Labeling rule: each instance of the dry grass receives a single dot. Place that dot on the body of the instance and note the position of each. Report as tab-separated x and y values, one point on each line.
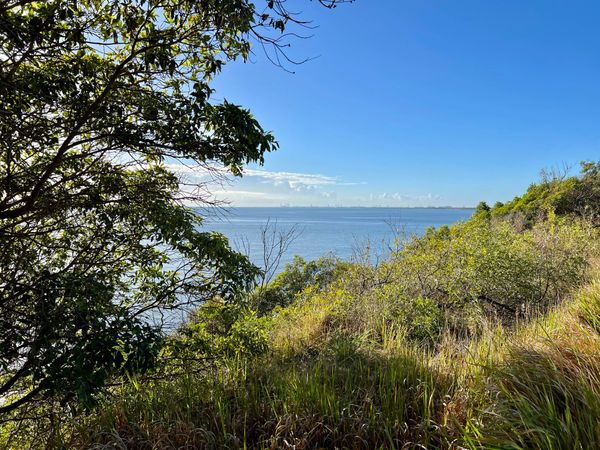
329	382
536	387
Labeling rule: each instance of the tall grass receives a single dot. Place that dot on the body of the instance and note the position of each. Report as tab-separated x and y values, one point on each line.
548	386
343	397
536	387
363	364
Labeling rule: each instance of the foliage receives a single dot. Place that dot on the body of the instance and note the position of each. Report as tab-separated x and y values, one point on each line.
453	281
372	362
217	331
482	210
295	277
494	264
101	100
546	386
421	319
534	388
576	195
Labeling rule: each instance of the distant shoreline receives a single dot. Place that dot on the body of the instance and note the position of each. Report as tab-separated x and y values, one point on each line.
349	207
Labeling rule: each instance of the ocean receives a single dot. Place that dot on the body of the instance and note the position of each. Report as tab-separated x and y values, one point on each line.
343	232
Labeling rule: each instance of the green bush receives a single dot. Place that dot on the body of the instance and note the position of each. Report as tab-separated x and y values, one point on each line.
295	277
495	265
456	279
215	332
421	319
574	196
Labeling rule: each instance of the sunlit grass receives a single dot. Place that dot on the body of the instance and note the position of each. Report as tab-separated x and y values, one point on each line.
339	373
534	387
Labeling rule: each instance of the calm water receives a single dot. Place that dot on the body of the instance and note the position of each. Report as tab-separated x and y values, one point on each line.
323	230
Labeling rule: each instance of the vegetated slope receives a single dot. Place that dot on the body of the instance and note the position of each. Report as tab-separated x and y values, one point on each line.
558	193
335	378
480	335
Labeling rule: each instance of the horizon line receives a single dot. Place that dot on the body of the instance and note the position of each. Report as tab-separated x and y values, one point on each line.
340	207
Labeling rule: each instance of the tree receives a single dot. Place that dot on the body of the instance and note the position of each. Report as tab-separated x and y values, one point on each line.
99	98
296	276
482	209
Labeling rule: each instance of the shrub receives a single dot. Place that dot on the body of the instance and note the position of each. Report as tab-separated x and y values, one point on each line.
565	196
295	277
216	331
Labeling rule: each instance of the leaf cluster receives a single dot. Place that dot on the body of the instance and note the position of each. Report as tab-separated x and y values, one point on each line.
99	101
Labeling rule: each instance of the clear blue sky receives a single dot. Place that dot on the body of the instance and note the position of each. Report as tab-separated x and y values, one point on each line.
424	102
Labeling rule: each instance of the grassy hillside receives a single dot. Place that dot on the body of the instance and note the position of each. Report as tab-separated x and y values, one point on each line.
480	335
564	195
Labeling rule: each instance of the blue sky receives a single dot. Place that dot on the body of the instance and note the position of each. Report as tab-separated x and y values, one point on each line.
423	103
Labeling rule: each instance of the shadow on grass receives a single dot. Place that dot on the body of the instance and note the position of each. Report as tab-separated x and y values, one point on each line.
341	397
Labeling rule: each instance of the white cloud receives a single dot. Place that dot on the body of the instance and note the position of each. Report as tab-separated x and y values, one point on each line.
260	187
196	173
295	181
253	194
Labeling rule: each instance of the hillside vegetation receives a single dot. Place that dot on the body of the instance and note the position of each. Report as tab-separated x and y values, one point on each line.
484	334
563	195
